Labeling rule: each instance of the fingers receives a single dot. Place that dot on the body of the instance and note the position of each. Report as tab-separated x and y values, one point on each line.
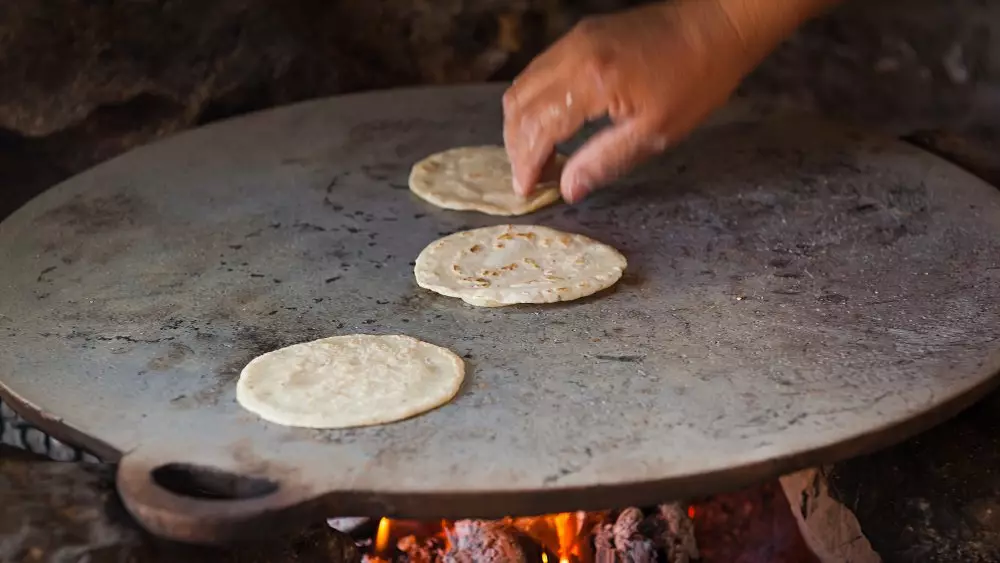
534	131
608	155
544	107
617	149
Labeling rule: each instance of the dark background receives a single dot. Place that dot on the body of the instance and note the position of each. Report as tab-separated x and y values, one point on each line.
83	80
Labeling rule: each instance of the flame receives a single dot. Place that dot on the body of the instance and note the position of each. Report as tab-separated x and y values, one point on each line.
564	535
565	524
445	527
691	512
382	537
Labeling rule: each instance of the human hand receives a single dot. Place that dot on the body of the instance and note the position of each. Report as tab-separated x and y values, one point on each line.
656	71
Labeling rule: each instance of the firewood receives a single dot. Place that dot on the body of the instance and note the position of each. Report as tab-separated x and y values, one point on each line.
623	540
479	541
678	538
429	550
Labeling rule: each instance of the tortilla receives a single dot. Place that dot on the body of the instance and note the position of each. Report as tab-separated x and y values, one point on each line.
508	264
349	381
479	179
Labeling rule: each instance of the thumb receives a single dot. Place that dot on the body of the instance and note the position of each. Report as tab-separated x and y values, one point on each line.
609	154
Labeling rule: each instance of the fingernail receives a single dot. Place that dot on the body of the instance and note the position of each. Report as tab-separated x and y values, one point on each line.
517	187
579	186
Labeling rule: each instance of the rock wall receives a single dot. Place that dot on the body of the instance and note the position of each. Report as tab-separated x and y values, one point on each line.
83	80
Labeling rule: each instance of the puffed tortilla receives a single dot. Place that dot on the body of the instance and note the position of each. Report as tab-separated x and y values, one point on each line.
349	381
510	264
480	179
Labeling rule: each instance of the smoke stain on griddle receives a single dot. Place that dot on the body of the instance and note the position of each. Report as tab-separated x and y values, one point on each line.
309	228
89	216
175	354
472	108
250	463
419	303
330	187
624	359
257	233
250	342
383	171
563	472
410	135
41	275
833	298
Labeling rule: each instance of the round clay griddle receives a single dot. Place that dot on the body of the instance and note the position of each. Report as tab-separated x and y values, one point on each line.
797	292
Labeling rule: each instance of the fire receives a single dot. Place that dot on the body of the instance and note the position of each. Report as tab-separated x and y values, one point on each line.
562	538
564	535
382	537
566	532
445	526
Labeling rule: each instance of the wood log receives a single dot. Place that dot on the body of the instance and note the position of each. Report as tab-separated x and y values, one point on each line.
663	533
934	498
604	544
482	541
621	540
428	550
829	528
678	538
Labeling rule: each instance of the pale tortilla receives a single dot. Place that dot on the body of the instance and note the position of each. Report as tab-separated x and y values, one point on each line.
480	179
348	381
508	264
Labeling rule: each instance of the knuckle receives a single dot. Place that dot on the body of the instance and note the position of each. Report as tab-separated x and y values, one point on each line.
587	27
599	63
509	100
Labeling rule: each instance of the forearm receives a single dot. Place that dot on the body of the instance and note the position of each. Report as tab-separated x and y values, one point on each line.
656	70
763	24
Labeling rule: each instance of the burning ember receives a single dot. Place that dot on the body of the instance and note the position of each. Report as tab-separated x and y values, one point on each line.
554	538
752	526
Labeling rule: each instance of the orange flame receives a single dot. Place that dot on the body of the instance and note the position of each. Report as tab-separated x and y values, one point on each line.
445	526
382	537
565	525
561	534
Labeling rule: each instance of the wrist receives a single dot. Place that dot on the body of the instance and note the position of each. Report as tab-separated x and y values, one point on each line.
762	25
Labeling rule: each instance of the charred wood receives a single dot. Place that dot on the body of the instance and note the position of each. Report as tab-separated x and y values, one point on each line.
678	538
662	534
430	550
478	541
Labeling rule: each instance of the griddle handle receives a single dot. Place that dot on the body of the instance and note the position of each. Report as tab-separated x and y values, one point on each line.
203	505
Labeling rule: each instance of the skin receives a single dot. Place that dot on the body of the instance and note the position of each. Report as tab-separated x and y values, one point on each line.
656	71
